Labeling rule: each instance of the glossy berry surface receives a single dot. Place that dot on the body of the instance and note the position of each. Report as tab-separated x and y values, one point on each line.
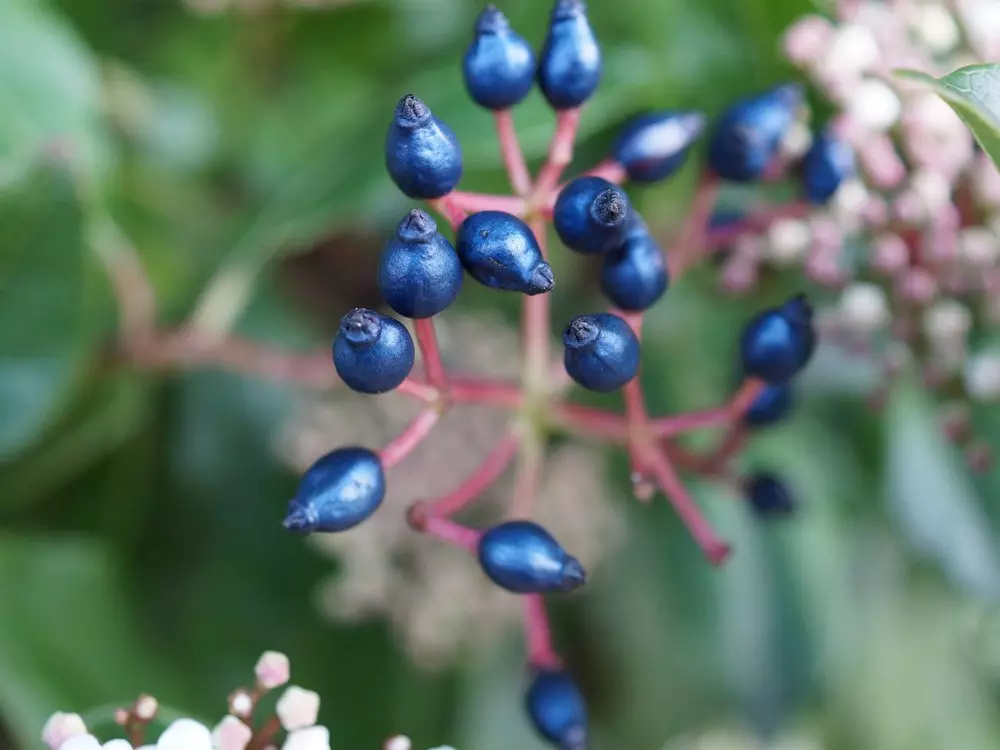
768	496
591	215
422	154
828	162
338	492
602	352
653	146
773	404
419	273
557	709
777	343
373	353
569	66
501	252
634	276
522	557
746	139
499	65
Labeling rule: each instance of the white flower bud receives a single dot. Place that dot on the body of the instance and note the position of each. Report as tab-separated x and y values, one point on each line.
946	321
241	704
978	246
81	742
874	105
272	670
852	51
297	708
185	734
788	240
399	742
231	734
982	376
145	708
797	140
935	25
933	189
863	306
60	727
312	738
117	745
806	39
849	203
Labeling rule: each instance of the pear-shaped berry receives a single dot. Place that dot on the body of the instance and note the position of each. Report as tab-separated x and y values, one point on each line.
419	274
653	146
635	275
777	343
499	65
772	405
569	67
602	352
422	154
826	165
557	709
768	495
522	557
338	492
591	215
373	353
747	137
501	252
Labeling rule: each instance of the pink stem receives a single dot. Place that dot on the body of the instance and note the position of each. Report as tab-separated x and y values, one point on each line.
535	319
486	474
599	423
513	157
422	391
451	211
560	153
748	392
485	391
693	234
538	634
453	533
729	447
638	430
714	548
404	443
731	413
754	222
475	202
427	339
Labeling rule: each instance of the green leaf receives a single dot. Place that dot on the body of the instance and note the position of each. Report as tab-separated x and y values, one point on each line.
974	93
44	328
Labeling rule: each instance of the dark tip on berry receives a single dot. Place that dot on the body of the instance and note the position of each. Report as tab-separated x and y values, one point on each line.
798	309
610	207
491	20
568	9
416	226
542	280
361	327
411	111
300	520
573	574
581	331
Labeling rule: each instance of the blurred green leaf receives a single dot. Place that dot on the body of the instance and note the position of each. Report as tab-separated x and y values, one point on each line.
932	497
43	303
974	93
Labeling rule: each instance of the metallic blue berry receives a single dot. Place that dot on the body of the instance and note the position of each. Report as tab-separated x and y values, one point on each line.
373	353
420	273
768	495
651	147
422	154
338	492
602	352
557	709
777	343
569	68
500	251
635	275
747	137
591	215
773	404
522	557
499	65
827	163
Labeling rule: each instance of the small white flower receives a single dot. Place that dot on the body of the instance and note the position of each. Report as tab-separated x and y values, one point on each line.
982	376
979	246
874	105
947	320
146	708
60	727
788	240
399	742
933	188
117	745
81	742
936	26
297	708
312	738
241	704
185	734
272	670
796	141
807	39
863	306
231	734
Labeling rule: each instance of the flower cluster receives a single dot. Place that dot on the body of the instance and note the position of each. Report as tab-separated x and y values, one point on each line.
500	243
908	234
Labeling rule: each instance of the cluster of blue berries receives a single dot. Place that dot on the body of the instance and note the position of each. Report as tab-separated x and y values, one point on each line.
421	273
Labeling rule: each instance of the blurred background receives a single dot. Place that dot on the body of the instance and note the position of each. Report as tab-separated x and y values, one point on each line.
233	148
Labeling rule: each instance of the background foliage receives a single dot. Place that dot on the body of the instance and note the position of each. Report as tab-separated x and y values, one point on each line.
139	539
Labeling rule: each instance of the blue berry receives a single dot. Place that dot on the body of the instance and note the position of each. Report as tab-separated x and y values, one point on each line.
602	352
777	343
651	147
773	404
569	68
827	163
422	154
768	495
557	709
591	215
373	353
420	273
499	65
635	275
522	557
500	251
747	137
338	492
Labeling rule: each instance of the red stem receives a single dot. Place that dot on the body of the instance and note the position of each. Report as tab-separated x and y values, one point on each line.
513	157
451	211
453	533
731	413
475	202
538	634
560	154
427	339
410	387
693	233
598	423
486	474
404	443
485	391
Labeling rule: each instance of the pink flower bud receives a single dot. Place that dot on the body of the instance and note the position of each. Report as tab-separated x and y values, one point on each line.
272	670
313	738
60	727
399	742
298	708
890	255
231	734
806	40
918	285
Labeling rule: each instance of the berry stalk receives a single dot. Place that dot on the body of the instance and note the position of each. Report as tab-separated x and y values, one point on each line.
403	444
560	154
538	634
427	340
513	157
